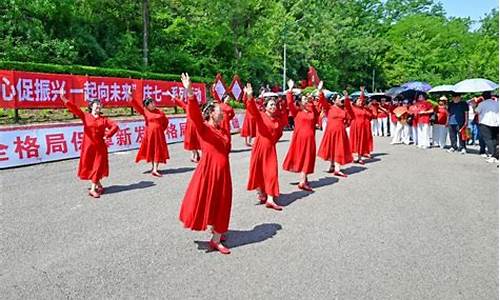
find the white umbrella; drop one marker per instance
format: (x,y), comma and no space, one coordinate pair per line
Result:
(269,94)
(442,88)
(475,85)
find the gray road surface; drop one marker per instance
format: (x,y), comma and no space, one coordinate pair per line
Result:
(411,224)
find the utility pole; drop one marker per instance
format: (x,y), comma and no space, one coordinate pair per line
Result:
(145,19)
(284,67)
(373,81)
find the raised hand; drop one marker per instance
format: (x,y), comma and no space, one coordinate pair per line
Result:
(248,90)
(186,82)
(320,86)
(290,84)
(346,93)
(362,88)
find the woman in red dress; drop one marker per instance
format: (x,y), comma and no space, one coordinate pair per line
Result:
(209,194)
(301,155)
(249,127)
(360,135)
(191,142)
(94,154)
(153,148)
(335,146)
(263,175)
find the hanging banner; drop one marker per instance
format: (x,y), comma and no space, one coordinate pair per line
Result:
(42,90)
(26,145)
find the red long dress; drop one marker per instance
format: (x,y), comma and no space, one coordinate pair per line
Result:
(263,172)
(228,116)
(301,156)
(94,154)
(249,127)
(360,134)
(154,144)
(209,194)
(191,141)
(335,143)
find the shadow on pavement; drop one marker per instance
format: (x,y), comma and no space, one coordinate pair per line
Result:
(371,160)
(378,154)
(172,171)
(238,238)
(128,187)
(241,150)
(353,170)
(287,199)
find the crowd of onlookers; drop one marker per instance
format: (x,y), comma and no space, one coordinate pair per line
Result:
(425,124)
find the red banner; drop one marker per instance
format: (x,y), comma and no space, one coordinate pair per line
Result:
(42,90)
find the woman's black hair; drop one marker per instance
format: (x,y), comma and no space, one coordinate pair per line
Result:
(266,101)
(146,101)
(207,109)
(91,103)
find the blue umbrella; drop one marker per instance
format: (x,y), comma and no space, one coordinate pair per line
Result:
(393,92)
(417,86)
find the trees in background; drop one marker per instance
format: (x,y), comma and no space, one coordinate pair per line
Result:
(349,42)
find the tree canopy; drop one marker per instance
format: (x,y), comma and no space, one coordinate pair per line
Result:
(347,41)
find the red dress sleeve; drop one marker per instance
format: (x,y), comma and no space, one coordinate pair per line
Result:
(291,104)
(111,127)
(348,107)
(164,121)
(194,114)
(75,110)
(180,103)
(138,107)
(255,113)
(323,103)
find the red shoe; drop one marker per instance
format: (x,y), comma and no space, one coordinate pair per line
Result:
(94,194)
(262,198)
(219,247)
(274,206)
(156,174)
(100,190)
(304,186)
(359,161)
(222,237)
(340,174)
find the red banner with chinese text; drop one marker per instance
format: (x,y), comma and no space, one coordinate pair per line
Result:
(42,90)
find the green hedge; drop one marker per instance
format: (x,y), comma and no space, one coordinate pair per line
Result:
(93,71)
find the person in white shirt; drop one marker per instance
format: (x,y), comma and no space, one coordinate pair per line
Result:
(488,124)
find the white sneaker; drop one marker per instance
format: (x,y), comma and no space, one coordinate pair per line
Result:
(491,160)
(463,151)
(484,155)
(451,150)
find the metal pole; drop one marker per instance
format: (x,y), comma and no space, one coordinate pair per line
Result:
(373,81)
(145,20)
(284,67)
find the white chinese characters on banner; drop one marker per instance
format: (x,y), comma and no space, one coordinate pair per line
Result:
(36,90)
(39,144)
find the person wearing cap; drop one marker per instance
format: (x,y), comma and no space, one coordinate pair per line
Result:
(440,128)
(457,122)
(488,125)
(382,117)
(425,110)
(94,164)
(153,147)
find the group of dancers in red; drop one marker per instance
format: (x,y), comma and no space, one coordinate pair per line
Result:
(208,198)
